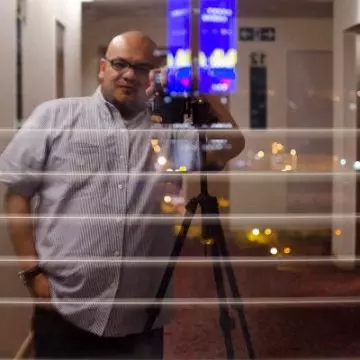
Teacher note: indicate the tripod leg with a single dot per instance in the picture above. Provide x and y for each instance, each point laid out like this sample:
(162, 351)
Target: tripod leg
(154, 311)
(226, 322)
(221, 242)
(209, 205)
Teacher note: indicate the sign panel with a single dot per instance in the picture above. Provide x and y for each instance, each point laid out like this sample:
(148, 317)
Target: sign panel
(267, 34)
(179, 47)
(217, 46)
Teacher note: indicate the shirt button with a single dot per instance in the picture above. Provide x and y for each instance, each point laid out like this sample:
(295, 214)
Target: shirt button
(120, 186)
(117, 253)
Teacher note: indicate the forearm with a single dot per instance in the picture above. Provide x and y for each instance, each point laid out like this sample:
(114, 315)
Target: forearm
(21, 229)
(233, 139)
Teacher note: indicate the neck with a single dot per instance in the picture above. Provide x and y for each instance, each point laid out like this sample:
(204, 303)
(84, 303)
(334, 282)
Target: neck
(127, 112)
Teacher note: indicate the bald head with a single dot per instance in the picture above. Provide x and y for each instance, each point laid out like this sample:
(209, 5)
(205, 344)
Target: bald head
(134, 43)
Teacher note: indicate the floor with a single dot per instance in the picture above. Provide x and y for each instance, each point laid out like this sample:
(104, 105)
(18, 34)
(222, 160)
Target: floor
(277, 332)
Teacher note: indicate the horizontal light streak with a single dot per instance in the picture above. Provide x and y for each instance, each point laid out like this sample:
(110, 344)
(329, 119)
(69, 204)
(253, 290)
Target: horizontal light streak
(193, 302)
(154, 261)
(223, 174)
(276, 131)
(263, 217)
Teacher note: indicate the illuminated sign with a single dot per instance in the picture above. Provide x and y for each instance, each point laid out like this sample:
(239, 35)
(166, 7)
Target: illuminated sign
(217, 46)
(179, 47)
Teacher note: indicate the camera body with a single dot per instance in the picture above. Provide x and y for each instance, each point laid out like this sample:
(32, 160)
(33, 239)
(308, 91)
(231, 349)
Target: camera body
(191, 110)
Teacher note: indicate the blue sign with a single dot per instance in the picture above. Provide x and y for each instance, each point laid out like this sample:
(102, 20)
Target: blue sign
(217, 46)
(179, 77)
(257, 34)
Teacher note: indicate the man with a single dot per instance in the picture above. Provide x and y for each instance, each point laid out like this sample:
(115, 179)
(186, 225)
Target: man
(85, 170)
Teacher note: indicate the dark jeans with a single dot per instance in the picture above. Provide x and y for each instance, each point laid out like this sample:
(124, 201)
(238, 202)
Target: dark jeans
(55, 338)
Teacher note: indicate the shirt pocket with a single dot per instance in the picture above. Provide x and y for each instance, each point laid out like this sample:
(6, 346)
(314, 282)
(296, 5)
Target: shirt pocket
(84, 156)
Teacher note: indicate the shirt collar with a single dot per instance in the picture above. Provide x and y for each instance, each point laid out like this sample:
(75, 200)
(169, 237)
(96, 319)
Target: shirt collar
(105, 106)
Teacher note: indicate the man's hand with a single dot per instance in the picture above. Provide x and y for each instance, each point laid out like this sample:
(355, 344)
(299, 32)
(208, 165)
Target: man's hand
(40, 289)
(232, 135)
(156, 77)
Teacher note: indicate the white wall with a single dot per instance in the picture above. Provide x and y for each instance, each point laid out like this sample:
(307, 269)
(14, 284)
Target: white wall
(39, 50)
(8, 63)
(257, 195)
(346, 15)
(14, 319)
(39, 86)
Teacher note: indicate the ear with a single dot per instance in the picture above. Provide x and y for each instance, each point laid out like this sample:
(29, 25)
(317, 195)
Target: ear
(102, 68)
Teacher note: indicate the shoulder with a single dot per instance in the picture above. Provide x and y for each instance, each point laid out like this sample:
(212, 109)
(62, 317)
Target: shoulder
(64, 104)
(53, 112)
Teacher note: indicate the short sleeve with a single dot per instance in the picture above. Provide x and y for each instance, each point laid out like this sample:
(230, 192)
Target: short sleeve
(23, 160)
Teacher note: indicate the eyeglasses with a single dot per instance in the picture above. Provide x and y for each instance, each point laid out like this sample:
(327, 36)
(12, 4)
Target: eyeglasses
(120, 65)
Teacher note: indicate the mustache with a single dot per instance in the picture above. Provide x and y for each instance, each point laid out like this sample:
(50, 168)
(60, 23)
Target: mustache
(127, 83)
(127, 86)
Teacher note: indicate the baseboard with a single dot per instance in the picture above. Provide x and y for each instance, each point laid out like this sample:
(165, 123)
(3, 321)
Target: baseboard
(25, 350)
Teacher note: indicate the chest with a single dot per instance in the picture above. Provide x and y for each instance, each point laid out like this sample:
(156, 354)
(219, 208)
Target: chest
(109, 150)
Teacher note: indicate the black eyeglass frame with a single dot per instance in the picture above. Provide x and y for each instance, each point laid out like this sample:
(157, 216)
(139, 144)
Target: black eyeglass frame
(139, 69)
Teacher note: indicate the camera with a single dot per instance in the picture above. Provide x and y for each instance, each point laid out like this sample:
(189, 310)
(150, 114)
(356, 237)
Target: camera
(178, 109)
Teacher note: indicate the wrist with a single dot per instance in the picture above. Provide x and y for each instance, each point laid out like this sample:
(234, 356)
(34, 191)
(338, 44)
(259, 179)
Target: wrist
(29, 275)
(28, 262)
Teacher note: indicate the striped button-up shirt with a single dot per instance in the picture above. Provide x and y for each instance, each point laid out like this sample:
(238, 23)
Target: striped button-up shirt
(97, 187)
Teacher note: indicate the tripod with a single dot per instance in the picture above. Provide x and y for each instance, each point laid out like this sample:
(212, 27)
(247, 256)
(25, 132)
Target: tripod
(209, 206)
